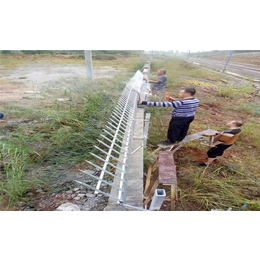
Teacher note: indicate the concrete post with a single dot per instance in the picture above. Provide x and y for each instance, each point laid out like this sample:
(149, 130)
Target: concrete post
(146, 127)
(188, 55)
(158, 199)
(88, 58)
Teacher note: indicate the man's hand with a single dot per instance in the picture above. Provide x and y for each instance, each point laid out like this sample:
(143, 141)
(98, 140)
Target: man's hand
(212, 145)
(145, 79)
(168, 98)
(139, 101)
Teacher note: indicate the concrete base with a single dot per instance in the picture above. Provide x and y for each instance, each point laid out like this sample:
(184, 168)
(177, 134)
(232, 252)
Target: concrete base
(135, 178)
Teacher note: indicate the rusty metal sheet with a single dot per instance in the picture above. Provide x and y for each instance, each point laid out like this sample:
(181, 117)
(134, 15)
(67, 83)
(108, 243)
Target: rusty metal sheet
(167, 169)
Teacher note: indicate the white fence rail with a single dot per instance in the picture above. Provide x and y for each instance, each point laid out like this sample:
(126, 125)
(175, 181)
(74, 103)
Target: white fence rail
(116, 139)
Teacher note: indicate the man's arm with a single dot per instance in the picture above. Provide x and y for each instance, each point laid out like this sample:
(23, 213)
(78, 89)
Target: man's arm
(210, 135)
(151, 81)
(173, 104)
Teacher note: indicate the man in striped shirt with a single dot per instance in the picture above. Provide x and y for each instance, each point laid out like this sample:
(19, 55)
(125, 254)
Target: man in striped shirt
(182, 115)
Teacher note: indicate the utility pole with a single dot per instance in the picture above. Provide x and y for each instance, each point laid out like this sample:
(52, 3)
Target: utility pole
(88, 59)
(229, 57)
(188, 55)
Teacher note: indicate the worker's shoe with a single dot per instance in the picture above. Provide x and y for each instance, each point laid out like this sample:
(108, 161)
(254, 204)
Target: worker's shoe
(203, 164)
(166, 144)
(1, 115)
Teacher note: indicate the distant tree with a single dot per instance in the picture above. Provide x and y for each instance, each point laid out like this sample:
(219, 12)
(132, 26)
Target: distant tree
(6, 52)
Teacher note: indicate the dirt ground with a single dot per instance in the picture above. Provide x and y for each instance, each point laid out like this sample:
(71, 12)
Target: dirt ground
(20, 84)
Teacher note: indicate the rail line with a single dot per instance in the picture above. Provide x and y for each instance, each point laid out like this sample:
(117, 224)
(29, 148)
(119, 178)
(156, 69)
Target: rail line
(231, 65)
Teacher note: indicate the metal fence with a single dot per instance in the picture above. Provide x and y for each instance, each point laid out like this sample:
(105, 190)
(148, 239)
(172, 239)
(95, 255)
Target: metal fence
(115, 141)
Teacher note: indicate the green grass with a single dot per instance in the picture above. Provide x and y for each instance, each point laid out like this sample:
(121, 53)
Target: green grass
(177, 68)
(229, 91)
(10, 62)
(221, 189)
(55, 133)
(251, 109)
(218, 186)
(24, 112)
(15, 160)
(251, 134)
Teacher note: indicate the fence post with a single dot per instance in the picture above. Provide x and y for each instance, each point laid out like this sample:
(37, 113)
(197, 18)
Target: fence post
(146, 127)
(158, 199)
(89, 66)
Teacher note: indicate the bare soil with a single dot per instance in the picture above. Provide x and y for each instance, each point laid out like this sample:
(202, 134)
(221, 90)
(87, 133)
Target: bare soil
(16, 82)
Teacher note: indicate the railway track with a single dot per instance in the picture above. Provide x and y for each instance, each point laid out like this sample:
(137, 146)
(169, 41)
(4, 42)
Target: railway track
(230, 65)
(250, 71)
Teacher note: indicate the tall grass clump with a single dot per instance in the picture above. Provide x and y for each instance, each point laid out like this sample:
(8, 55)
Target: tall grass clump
(24, 112)
(251, 109)
(62, 135)
(137, 65)
(251, 134)
(227, 91)
(230, 91)
(14, 161)
(221, 189)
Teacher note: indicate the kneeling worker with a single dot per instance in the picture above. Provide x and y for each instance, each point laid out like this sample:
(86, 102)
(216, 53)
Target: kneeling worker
(222, 141)
(182, 115)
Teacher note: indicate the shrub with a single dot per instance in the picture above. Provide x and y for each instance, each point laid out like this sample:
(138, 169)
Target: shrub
(104, 57)
(15, 160)
(251, 134)
(251, 109)
(6, 52)
(231, 91)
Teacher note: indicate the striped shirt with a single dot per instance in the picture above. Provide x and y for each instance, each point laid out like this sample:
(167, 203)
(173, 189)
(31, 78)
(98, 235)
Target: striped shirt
(182, 108)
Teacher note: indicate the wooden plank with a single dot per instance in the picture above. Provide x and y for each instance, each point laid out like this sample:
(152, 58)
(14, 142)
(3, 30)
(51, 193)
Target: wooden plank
(148, 178)
(156, 150)
(167, 169)
(192, 137)
(154, 177)
(178, 147)
(155, 165)
(173, 196)
(155, 185)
